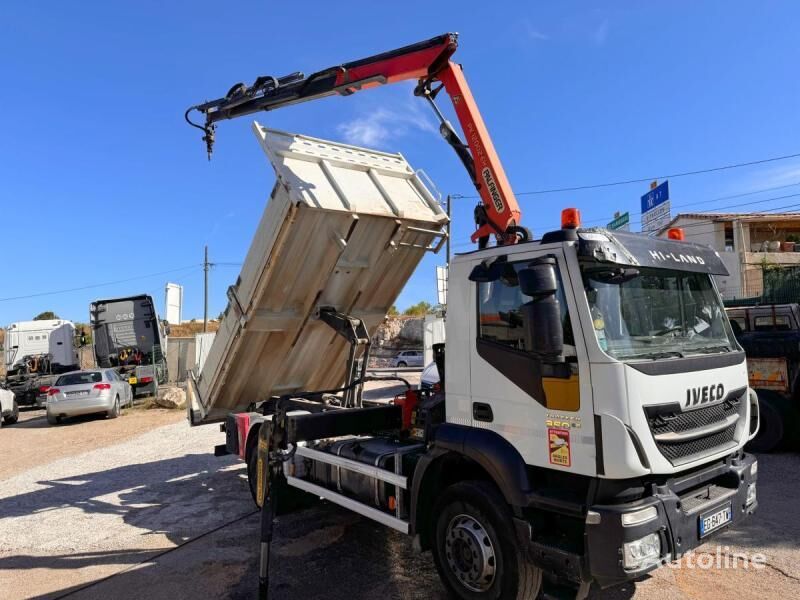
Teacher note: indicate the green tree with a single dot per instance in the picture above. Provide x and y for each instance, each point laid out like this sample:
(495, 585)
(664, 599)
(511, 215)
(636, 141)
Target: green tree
(419, 309)
(393, 312)
(46, 316)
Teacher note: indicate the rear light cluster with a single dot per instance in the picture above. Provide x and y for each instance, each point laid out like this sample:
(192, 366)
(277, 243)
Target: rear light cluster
(102, 386)
(43, 389)
(53, 391)
(146, 380)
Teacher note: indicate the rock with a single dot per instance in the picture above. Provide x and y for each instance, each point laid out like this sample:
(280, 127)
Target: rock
(171, 397)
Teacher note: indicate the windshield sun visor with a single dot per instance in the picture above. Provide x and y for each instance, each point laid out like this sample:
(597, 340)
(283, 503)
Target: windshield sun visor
(645, 251)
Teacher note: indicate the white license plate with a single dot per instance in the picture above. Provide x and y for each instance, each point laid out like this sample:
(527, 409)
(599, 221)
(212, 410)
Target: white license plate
(719, 518)
(77, 394)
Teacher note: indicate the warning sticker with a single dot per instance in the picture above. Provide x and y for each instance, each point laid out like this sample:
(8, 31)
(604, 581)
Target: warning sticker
(558, 442)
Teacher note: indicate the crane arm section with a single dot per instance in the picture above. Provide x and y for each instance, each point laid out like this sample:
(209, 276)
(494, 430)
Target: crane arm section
(428, 63)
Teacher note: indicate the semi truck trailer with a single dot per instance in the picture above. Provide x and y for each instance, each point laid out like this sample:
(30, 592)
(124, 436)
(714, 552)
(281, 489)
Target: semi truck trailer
(593, 406)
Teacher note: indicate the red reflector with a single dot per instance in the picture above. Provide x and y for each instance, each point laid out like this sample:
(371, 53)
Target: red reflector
(570, 218)
(676, 233)
(53, 391)
(145, 379)
(102, 386)
(43, 389)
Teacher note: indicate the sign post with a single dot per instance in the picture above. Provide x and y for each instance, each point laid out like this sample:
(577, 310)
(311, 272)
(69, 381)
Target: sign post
(656, 208)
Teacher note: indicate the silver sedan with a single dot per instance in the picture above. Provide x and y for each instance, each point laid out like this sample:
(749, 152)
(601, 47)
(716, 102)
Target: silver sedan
(86, 392)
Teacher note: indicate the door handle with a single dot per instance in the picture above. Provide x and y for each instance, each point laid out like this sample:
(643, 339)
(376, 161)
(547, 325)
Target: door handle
(482, 412)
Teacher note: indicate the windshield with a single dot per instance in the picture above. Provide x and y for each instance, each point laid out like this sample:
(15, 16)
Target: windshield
(649, 313)
(79, 378)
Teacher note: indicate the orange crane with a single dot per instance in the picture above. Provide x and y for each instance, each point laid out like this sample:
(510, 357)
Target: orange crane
(429, 63)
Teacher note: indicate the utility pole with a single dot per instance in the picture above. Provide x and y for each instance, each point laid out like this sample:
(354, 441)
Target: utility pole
(449, 228)
(206, 266)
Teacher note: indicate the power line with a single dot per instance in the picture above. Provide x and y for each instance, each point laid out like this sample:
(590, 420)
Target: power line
(593, 186)
(96, 285)
(763, 200)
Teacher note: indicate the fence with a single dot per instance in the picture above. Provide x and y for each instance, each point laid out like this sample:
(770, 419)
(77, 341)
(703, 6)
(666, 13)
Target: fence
(766, 285)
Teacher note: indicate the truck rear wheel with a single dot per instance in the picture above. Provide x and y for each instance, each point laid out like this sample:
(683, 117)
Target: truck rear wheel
(476, 549)
(13, 416)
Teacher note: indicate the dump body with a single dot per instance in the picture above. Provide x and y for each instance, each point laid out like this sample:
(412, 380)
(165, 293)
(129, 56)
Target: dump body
(345, 228)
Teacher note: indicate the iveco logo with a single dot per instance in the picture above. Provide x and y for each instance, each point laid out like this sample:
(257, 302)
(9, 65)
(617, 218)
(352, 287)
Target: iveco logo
(499, 205)
(702, 395)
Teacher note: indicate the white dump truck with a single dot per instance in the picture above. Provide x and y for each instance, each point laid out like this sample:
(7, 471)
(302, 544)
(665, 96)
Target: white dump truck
(35, 351)
(594, 403)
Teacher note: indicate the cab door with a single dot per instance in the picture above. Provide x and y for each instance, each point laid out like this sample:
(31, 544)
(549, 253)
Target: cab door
(543, 407)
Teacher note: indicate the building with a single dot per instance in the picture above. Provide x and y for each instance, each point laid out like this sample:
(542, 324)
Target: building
(755, 247)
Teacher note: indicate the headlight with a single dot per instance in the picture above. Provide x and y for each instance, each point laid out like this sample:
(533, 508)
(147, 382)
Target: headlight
(751, 494)
(642, 552)
(638, 517)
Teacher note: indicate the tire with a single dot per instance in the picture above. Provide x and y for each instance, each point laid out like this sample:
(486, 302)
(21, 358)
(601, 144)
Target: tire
(291, 499)
(13, 416)
(770, 430)
(402, 365)
(114, 412)
(475, 546)
(52, 419)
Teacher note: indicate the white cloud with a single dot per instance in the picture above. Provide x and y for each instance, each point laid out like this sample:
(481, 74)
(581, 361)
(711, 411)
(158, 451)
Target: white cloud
(534, 33)
(383, 125)
(600, 33)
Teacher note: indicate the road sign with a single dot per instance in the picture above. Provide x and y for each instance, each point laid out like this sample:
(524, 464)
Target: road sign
(656, 208)
(621, 222)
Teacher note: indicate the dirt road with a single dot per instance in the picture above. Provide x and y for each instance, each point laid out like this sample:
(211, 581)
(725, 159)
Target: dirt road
(151, 513)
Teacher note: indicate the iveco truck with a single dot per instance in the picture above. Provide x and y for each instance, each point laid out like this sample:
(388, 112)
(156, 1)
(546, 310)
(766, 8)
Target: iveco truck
(128, 336)
(594, 402)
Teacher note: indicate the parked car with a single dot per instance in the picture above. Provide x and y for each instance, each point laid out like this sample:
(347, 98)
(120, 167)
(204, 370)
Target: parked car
(408, 358)
(430, 377)
(87, 392)
(8, 407)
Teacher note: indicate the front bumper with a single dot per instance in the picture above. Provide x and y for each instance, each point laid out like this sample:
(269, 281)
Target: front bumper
(679, 502)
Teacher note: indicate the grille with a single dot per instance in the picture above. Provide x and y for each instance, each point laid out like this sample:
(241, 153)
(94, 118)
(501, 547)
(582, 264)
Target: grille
(680, 422)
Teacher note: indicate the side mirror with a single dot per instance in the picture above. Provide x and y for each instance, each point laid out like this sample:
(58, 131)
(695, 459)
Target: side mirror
(544, 332)
(539, 278)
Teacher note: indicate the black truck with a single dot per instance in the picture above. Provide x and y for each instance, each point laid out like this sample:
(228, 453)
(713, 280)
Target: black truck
(128, 336)
(770, 336)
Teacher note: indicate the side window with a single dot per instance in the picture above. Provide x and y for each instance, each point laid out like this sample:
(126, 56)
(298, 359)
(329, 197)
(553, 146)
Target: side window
(500, 315)
(766, 323)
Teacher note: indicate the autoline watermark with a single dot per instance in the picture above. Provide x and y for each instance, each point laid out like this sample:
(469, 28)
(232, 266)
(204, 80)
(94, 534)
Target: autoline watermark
(721, 558)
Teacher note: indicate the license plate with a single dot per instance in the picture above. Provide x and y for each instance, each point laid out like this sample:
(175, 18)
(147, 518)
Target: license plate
(132, 380)
(77, 394)
(712, 521)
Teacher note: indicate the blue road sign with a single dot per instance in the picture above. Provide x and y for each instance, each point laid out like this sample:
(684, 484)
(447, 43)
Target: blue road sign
(656, 196)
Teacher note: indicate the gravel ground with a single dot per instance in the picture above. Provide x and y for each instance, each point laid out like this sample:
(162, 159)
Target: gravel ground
(155, 515)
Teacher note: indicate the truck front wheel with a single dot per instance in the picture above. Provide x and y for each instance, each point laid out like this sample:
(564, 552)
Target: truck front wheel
(475, 546)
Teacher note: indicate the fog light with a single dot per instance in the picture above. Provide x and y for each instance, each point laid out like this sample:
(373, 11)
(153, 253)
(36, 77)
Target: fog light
(751, 494)
(638, 517)
(754, 469)
(642, 552)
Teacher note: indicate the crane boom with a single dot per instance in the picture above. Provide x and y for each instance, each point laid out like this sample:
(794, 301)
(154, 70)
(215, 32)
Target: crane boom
(429, 63)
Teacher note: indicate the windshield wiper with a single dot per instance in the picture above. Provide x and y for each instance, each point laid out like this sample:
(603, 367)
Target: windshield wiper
(655, 355)
(711, 349)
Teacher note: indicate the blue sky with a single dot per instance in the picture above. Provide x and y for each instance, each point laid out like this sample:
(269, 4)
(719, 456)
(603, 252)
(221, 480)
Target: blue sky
(102, 180)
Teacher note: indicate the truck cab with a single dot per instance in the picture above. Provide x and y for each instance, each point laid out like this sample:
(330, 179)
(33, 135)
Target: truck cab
(603, 374)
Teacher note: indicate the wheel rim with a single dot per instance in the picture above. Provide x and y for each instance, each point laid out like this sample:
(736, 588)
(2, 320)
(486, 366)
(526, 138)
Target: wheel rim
(470, 553)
